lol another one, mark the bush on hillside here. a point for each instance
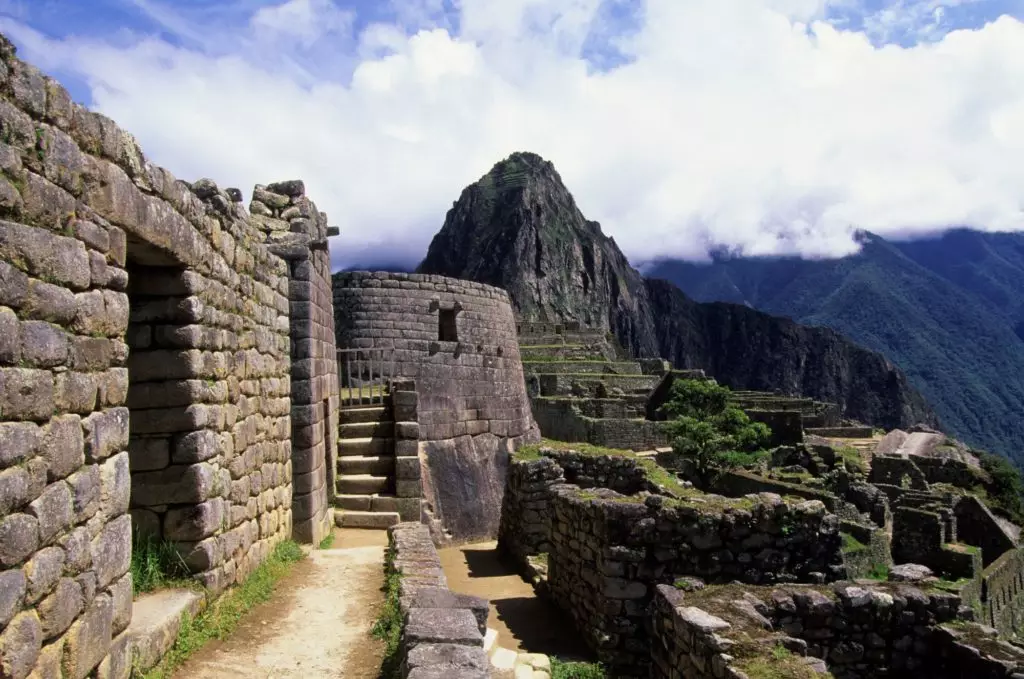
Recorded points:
(1006, 490)
(707, 432)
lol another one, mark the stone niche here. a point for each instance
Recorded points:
(457, 339)
(144, 379)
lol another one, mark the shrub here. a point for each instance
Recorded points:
(1006, 488)
(576, 670)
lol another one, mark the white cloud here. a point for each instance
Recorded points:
(749, 125)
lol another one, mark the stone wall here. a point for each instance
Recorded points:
(1002, 593)
(473, 409)
(851, 631)
(922, 537)
(608, 552)
(561, 420)
(787, 425)
(297, 232)
(442, 632)
(897, 471)
(976, 525)
(739, 482)
(144, 358)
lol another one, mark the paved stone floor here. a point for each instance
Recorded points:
(524, 622)
(316, 624)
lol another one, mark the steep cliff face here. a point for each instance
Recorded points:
(520, 229)
(748, 349)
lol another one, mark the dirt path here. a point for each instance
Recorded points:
(316, 624)
(523, 621)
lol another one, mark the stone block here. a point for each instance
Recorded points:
(149, 454)
(408, 488)
(48, 664)
(85, 492)
(407, 448)
(440, 597)
(20, 644)
(14, 489)
(407, 430)
(451, 655)
(118, 663)
(121, 594)
(42, 572)
(88, 639)
(195, 522)
(115, 484)
(18, 442)
(13, 586)
(10, 337)
(19, 538)
(53, 510)
(112, 550)
(27, 394)
(48, 302)
(13, 286)
(106, 432)
(442, 626)
(63, 446)
(178, 484)
(408, 468)
(59, 610)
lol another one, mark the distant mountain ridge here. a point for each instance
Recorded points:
(519, 228)
(948, 310)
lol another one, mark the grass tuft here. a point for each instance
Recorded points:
(223, 615)
(156, 564)
(388, 626)
(327, 542)
(576, 670)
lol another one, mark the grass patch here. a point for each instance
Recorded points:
(879, 571)
(852, 544)
(156, 564)
(779, 663)
(852, 460)
(576, 670)
(328, 541)
(388, 626)
(223, 616)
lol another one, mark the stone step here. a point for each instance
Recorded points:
(362, 430)
(359, 414)
(354, 503)
(363, 484)
(366, 447)
(409, 509)
(378, 465)
(379, 520)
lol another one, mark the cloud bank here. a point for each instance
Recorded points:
(764, 127)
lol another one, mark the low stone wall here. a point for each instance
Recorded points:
(608, 552)
(561, 420)
(738, 483)
(976, 525)
(949, 470)
(872, 551)
(842, 432)
(1002, 593)
(897, 471)
(443, 632)
(852, 631)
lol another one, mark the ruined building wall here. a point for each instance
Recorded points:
(298, 232)
(143, 364)
(473, 407)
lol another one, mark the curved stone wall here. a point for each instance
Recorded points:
(473, 407)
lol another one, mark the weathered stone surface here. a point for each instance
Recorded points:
(88, 638)
(63, 446)
(106, 433)
(59, 610)
(53, 511)
(10, 337)
(20, 644)
(19, 538)
(179, 484)
(112, 550)
(85, 491)
(115, 484)
(426, 655)
(43, 571)
(121, 594)
(43, 345)
(18, 442)
(909, 572)
(195, 447)
(27, 394)
(442, 626)
(194, 522)
(14, 487)
(12, 592)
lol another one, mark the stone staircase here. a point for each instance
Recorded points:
(366, 468)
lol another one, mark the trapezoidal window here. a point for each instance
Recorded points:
(447, 330)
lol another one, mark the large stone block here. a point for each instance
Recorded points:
(18, 442)
(106, 433)
(20, 644)
(42, 572)
(195, 522)
(115, 484)
(178, 484)
(53, 511)
(26, 394)
(89, 638)
(59, 610)
(19, 538)
(112, 550)
(12, 591)
(63, 446)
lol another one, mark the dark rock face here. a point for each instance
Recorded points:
(747, 349)
(519, 228)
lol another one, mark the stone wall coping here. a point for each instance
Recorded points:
(356, 279)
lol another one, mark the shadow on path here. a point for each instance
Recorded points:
(524, 621)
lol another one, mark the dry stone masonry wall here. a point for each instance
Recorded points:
(457, 340)
(297, 232)
(144, 378)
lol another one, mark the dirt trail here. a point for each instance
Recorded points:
(316, 624)
(524, 621)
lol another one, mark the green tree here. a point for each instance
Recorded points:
(707, 433)
(1006, 489)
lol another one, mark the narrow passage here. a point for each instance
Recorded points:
(316, 624)
(524, 622)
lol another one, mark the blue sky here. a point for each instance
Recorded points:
(762, 126)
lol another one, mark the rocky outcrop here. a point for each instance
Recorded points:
(519, 228)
